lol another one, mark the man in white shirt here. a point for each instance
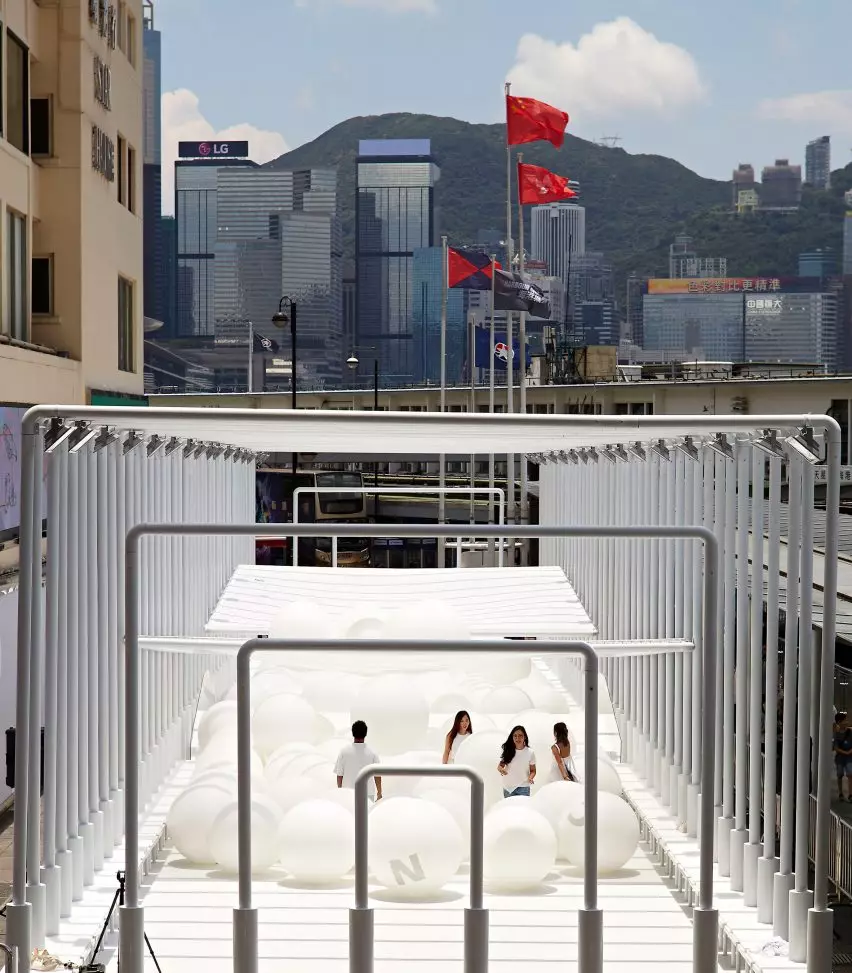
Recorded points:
(353, 759)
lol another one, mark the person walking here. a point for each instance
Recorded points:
(563, 765)
(517, 764)
(460, 731)
(353, 758)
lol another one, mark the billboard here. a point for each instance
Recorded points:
(734, 285)
(211, 150)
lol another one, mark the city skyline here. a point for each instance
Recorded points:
(777, 87)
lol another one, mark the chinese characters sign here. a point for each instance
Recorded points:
(103, 84)
(103, 16)
(103, 154)
(734, 285)
(768, 305)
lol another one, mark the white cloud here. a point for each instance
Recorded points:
(184, 122)
(830, 108)
(618, 67)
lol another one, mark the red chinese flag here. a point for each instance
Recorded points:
(538, 185)
(528, 120)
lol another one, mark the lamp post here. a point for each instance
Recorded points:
(286, 314)
(353, 363)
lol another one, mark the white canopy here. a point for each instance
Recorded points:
(494, 601)
(398, 433)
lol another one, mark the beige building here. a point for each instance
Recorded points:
(71, 201)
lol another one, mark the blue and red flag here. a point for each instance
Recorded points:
(469, 269)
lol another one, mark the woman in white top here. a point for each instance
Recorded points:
(461, 730)
(563, 765)
(517, 764)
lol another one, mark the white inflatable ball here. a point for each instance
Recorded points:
(192, 816)
(427, 620)
(367, 626)
(343, 796)
(331, 748)
(323, 728)
(556, 799)
(543, 695)
(225, 756)
(511, 804)
(265, 840)
(396, 714)
(290, 749)
(287, 793)
(618, 834)
(520, 848)
(300, 619)
(222, 716)
(283, 719)
(400, 786)
(223, 776)
(451, 800)
(482, 752)
(330, 692)
(608, 778)
(220, 681)
(416, 846)
(449, 703)
(323, 773)
(317, 841)
(273, 682)
(505, 699)
(295, 767)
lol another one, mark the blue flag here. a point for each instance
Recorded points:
(500, 351)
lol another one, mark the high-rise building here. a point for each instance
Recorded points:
(71, 315)
(847, 235)
(558, 233)
(196, 219)
(818, 163)
(592, 315)
(427, 288)
(781, 186)
(818, 263)
(743, 182)
(395, 216)
(634, 311)
(684, 261)
(155, 256)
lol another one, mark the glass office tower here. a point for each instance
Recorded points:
(155, 258)
(395, 214)
(427, 285)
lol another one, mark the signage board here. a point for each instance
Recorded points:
(734, 285)
(213, 150)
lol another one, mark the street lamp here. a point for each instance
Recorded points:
(352, 362)
(286, 314)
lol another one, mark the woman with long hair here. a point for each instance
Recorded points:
(563, 765)
(460, 731)
(517, 764)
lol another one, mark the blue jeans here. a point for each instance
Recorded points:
(517, 792)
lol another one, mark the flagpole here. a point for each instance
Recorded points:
(470, 322)
(522, 367)
(251, 356)
(442, 504)
(510, 364)
(491, 546)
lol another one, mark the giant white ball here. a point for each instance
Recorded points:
(283, 719)
(618, 833)
(416, 846)
(482, 752)
(295, 620)
(219, 717)
(265, 841)
(520, 848)
(505, 699)
(192, 816)
(556, 799)
(317, 841)
(329, 692)
(396, 714)
(288, 794)
(273, 682)
(221, 752)
(452, 801)
(608, 779)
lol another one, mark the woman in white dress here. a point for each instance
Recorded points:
(461, 731)
(563, 766)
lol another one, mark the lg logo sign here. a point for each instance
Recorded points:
(209, 150)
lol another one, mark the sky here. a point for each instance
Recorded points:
(711, 84)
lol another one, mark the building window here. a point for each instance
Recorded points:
(122, 170)
(131, 179)
(130, 39)
(40, 126)
(41, 288)
(16, 274)
(17, 93)
(125, 325)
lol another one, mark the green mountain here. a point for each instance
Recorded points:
(635, 204)
(632, 201)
